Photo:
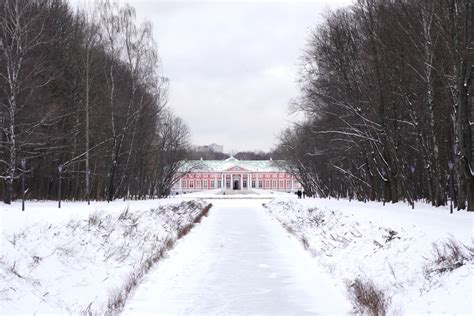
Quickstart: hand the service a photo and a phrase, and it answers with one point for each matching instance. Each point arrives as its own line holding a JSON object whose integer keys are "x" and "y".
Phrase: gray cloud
{"x": 232, "y": 65}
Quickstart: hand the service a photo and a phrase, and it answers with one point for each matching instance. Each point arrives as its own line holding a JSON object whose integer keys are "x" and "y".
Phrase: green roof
{"x": 230, "y": 163}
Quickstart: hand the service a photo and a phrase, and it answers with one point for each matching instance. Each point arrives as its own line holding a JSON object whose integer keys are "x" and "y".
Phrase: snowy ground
{"x": 83, "y": 257}
{"x": 393, "y": 246}
{"x": 291, "y": 257}
{"x": 238, "y": 261}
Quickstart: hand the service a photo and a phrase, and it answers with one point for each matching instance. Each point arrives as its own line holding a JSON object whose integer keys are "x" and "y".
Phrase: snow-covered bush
{"x": 449, "y": 255}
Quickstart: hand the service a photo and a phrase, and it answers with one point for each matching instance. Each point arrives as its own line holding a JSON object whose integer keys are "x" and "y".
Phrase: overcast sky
{"x": 232, "y": 65}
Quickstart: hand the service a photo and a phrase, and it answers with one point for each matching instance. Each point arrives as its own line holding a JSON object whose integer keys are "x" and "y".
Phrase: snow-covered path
{"x": 238, "y": 261}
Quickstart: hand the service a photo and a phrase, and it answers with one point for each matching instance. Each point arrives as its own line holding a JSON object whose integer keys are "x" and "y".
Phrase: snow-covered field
{"x": 422, "y": 259}
{"x": 84, "y": 257}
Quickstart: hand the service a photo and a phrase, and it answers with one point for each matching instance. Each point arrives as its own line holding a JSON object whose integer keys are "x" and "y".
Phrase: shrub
{"x": 367, "y": 298}
{"x": 450, "y": 255}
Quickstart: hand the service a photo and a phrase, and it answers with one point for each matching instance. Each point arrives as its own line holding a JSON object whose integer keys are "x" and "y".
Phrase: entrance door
{"x": 236, "y": 185}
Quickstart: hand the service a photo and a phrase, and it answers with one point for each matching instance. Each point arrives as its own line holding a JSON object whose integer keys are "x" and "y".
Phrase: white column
{"x": 256, "y": 182}
{"x": 241, "y": 181}
{"x": 231, "y": 181}
{"x": 179, "y": 184}
{"x": 292, "y": 181}
{"x": 222, "y": 181}
{"x": 215, "y": 181}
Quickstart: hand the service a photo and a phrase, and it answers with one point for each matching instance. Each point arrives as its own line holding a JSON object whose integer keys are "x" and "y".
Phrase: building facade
{"x": 234, "y": 174}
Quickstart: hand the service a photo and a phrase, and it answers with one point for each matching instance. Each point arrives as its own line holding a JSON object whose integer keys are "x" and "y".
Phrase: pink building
{"x": 234, "y": 174}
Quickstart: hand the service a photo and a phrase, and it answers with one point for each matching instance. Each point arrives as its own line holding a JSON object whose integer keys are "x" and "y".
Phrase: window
{"x": 267, "y": 184}
{"x": 244, "y": 184}
{"x": 198, "y": 184}
{"x": 274, "y": 184}
{"x": 191, "y": 184}
{"x": 260, "y": 184}
{"x": 281, "y": 184}
{"x": 212, "y": 184}
{"x": 219, "y": 184}
{"x": 288, "y": 184}
{"x": 205, "y": 184}
{"x": 227, "y": 183}
{"x": 253, "y": 184}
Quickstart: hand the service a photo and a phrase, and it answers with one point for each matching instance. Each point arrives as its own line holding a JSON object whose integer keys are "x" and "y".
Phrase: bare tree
{"x": 171, "y": 146}
{"x": 95, "y": 107}
{"x": 22, "y": 73}
{"x": 92, "y": 39}
{"x": 376, "y": 86}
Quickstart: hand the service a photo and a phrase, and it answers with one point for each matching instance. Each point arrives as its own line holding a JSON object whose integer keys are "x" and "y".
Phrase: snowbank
{"x": 85, "y": 258}
{"x": 237, "y": 194}
{"x": 421, "y": 259}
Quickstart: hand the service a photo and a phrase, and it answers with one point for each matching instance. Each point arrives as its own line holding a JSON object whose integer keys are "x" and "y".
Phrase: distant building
{"x": 212, "y": 147}
{"x": 234, "y": 174}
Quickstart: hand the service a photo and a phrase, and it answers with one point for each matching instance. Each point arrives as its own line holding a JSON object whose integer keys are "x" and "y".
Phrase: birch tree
{"x": 21, "y": 31}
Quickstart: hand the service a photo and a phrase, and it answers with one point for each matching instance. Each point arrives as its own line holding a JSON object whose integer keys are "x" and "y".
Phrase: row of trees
{"x": 241, "y": 155}
{"x": 83, "y": 99}
{"x": 386, "y": 88}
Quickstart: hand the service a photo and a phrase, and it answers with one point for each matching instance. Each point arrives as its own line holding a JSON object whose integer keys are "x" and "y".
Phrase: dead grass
{"x": 204, "y": 212}
{"x": 305, "y": 242}
{"x": 317, "y": 216}
{"x": 367, "y": 298}
{"x": 94, "y": 219}
{"x": 124, "y": 215}
{"x": 391, "y": 235}
{"x": 187, "y": 228}
{"x": 118, "y": 297}
{"x": 449, "y": 255}
{"x": 17, "y": 237}
{"x": 14, "y": 270}
{"x": 288, "y": 228}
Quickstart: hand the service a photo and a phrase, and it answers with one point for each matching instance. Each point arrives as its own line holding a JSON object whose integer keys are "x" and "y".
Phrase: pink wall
{"x": 268, "y": 180}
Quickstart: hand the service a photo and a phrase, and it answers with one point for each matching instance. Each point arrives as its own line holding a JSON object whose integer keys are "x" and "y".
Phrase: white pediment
{"x": 236, "y": 168}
